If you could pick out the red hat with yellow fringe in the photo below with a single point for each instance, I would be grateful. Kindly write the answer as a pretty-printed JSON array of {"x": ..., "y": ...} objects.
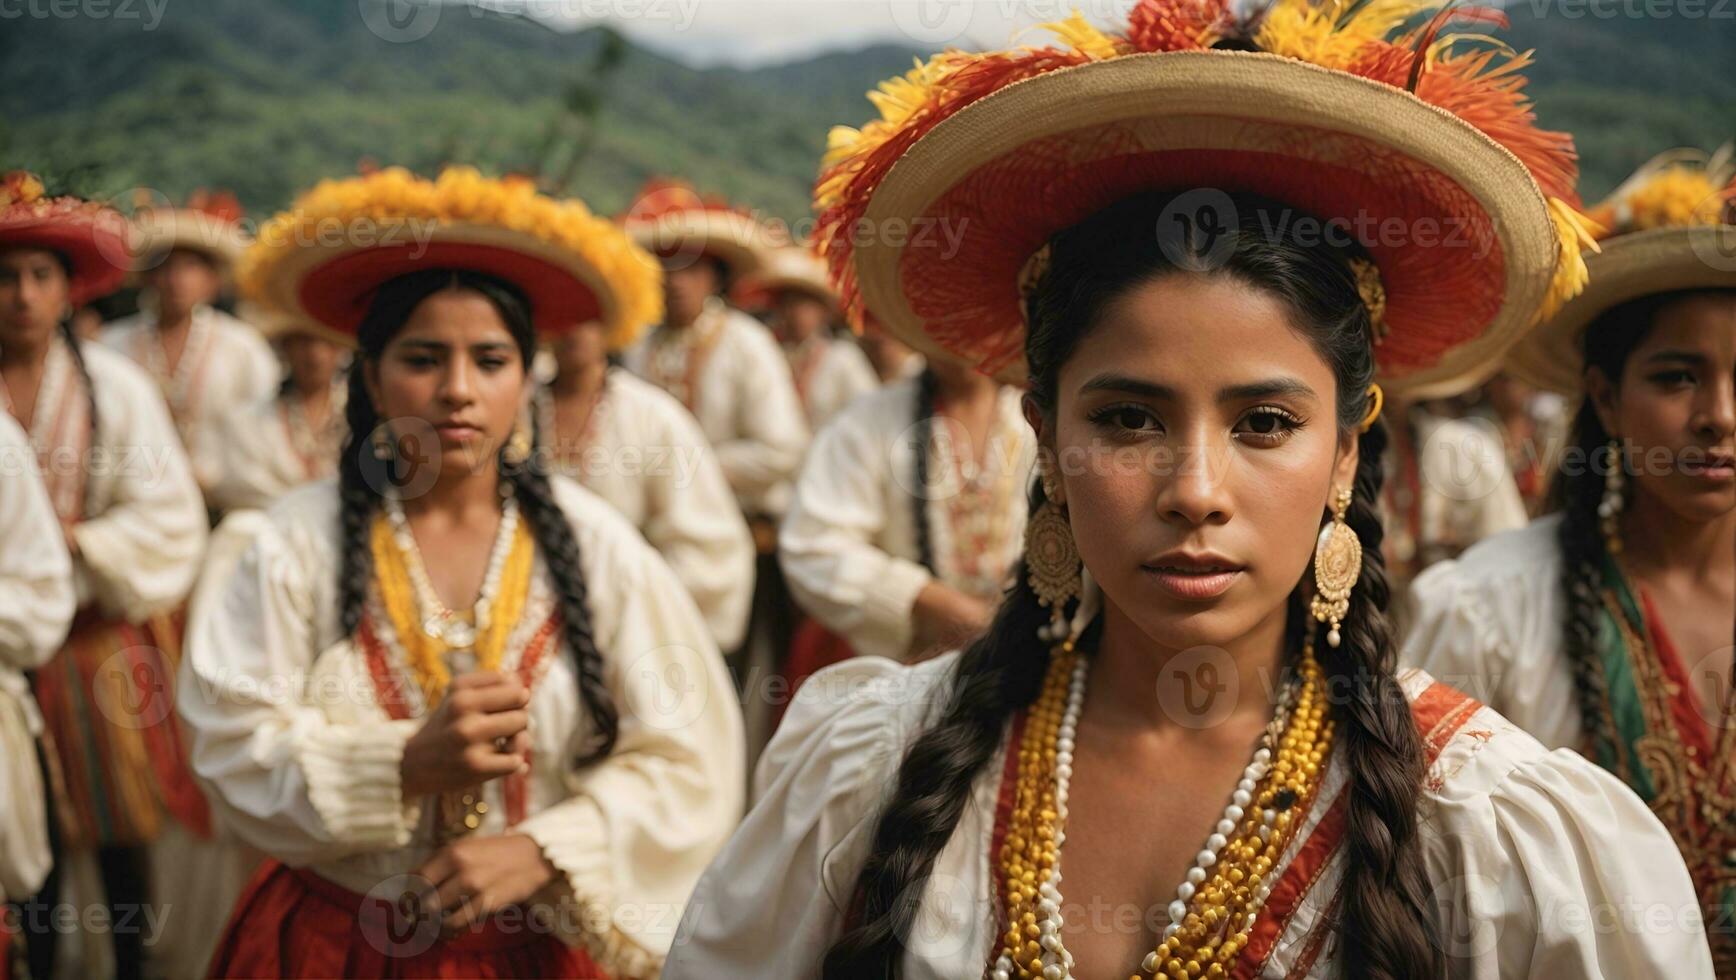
[
  {"x": 1670, "y": 226},
  {"x": 324, "y": 258},
  {"x": 1339, "y": 111},
  {"x": 91, "y": 236}
]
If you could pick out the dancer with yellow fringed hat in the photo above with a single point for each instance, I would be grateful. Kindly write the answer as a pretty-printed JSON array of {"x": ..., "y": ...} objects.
[
  {"x": 209, "y": 365},
  {"x": 1607, "y": 627},
  {"x": 510, "y": 745},
  {"x": 130, "y": 511},
  {"x": 634, "y": 445},
  {"x": 1205, "y": 246}
]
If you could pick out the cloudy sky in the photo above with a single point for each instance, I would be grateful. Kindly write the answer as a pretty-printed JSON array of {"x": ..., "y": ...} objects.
[{"x": 754, "y": 32}]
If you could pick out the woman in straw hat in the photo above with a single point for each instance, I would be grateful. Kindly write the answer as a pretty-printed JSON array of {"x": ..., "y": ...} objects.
[
  {"x": 635, "y": 446},
  {"x": 124, "y": 496},
  {"x": 829, "y": 370},
  {"x": 36, "y": 606},
  {"x": 209, "y": 365},
  {"x": 1607, "y": 627},
  {"x": 294, "y": 435},
  {"x": 437, "y": 690},
  {"x": 1200, "y": 354},
  {"x": 720, "y": 363}
]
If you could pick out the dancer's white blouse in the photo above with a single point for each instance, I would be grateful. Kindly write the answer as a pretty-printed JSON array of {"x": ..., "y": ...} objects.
[
  {"x": 643, "y": 453},
  {"x": 36, "y": 606},
  {"x": 303, "y": 762},
  {"x": 142, "y": 525},
  {"x": 226, "y": 367},
  {"x": 1491, "y": 624},
  {"x": 839, "y": 375},
  {"x": 848, "y": 544},
  {"x": 1541, "y": 864},
  {"x": 745, "y": 401},
  {"x": 260, "y": 460}
]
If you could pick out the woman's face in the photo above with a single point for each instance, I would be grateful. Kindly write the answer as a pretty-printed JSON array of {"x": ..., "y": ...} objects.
[
  {"x": 800, "y": 316},
  {"x": 313, "y": 360},
  {"x": 452, "y": 375},
  {"x": 581, "y": 348},
  {"x": 1197, "y": 444},
  {"x": 34, "y": 295},
  {"x": 1675, "y": 407}
]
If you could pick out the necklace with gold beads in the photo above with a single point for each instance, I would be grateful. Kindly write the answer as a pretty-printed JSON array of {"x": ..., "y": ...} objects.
[{"x": 1221, "y": 897}]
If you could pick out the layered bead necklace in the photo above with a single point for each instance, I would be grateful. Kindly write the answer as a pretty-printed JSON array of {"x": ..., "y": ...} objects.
[
  {"x": 425, "y": 626},
  {"x": 1221, "y": 897},
  {"x": 430, "y": 633},
  {"x": 678, "y": 356}
]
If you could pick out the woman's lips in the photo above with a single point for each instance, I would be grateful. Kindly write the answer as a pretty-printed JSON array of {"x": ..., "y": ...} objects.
[
  {"x": 457, "y": 433},
  {"x": 1192, "y": 583},
  {"x": 1717, "y": 468}
]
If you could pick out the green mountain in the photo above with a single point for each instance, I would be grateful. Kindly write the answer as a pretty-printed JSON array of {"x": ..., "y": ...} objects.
[{"x": 266, "y": 96}]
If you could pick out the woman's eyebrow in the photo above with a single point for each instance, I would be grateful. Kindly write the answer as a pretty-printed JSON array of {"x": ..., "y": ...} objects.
[{"x": 1242, "y": 392}]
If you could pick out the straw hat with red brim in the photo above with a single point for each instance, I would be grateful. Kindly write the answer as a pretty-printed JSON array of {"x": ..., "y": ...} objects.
[
  {"x": 673, "y": 220},
  {"x": 792, "y": 269},
  {"x": 157, "y": 232},
  {"x": 90, "y": 236},
  {"x": 1671, "y": 226},
  {"x": 994, "y": 153},
  {"x": 325, "y": 257}
]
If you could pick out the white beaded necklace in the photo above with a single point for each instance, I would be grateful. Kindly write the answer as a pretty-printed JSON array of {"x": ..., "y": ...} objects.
[
  {"x": 439, "y": 622},
  {"x": 1057, "y": 961}
]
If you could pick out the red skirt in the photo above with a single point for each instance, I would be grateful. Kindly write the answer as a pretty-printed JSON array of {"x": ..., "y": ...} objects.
[{"x": 293, "y": 923}]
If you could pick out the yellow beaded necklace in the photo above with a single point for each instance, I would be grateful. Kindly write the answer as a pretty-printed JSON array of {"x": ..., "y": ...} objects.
[
  {"x": 426, "y": 655},
  {"x": 1224, "y": 892}
]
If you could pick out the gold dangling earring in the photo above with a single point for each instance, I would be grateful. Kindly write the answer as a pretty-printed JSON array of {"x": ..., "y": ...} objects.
[
  {"x": 1337, "y": 565},
  {"x": 382, "y": 440},
  {"x": 518, "y": 444},
  {"x": 1052, "y": 561},
  {"x": 1610, "y": 507}
]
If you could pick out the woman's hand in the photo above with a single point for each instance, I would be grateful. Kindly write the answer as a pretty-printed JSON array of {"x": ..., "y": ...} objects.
[
  {"x": 946, "y": 618},
  {"x": 475, "y": 877},
  {"x": 476, "y": 734}
]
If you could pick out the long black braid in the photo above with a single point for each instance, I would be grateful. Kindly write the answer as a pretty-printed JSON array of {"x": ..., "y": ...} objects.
[
  {"x": 361, "y": 475},
  {"x": 75, "y": 346},
  {"x": 922, "y": 438},
  {"x": 1385, "y": 927}
]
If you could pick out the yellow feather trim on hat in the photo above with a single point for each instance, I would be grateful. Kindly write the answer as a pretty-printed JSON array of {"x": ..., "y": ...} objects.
[
  {"x": 1084, "y": 37},
  {"x": 1324, "y": 35},
  {"x": 462, "y": 195},
  {"x": 1577, "y": 234}
]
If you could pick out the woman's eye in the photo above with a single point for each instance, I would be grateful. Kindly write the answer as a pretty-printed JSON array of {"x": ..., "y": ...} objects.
[
  {"x": 1269, "y": 425},
  {"x": 1126, "y": 418},
  {"x": 492, "y": 363},
  {"x": 1673, "y": 379}
]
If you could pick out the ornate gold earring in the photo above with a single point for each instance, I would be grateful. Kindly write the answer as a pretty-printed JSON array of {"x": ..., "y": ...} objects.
[
  {"x": 1337, "y": 565},
  {"x": 518, "y": 444},
  {"x": 382, "y": 440},
  {"x": 1052, "y": 563}
]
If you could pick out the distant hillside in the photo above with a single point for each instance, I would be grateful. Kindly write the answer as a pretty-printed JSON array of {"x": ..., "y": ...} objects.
[{"x": 266, "y": 96}]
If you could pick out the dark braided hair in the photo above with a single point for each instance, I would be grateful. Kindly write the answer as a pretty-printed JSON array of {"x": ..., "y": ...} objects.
[
  {"x": 1385, "y": 926},
  {"x": 360, "y": 476},
  {"x": 1576, "y": 491},
  {"x": 922, "y": 435}
]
